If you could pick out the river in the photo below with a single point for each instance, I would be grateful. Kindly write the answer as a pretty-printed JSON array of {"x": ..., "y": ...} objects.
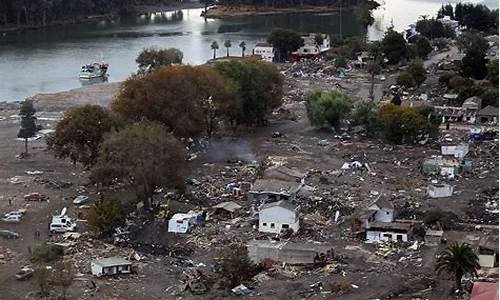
[{"x": 48, "y": 60}]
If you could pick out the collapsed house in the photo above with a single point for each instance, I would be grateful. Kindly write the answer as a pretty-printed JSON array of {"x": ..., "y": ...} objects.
[
  {"x": 277, "y": 216},
  {"x": 284, "y": 173},
  {"x": 488, "y": 252},
  {"x": 270, "y": 190},
  {"x": 488, "y": 115},
  {"x": 440, "y": 190},
  {"x": 224, "y": 210},
  {"x": 287, "y": 252},
  {"x": 433, "y": 237},
  {"x": 445, "y": 166},
  {"x": 110, "y": 266}
]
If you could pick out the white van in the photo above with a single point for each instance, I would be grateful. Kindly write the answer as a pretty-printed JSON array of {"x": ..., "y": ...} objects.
[{"x": 61, "y": 223}]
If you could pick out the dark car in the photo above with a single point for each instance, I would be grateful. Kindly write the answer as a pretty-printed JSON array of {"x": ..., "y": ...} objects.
[{"x": 25, "y": 273}]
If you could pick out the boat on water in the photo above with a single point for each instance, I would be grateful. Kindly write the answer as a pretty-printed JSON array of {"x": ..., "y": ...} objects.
[{"x": 95, "y": 70}]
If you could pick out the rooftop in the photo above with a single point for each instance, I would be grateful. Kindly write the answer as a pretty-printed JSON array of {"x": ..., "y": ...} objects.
[
  {"x": 488, "y": 111},
  {"x": 275, "y": 186},
  {"x": 382, "y": 203},
  {"x": 389, "y": 226},
  {"x": 229, "y": 206},
  {"x": 281, "y": 203},
  {"x": 112, "y": 261}
]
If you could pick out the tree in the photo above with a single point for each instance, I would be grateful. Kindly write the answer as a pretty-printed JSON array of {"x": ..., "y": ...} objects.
[
  {"x": 364, "y": 16},
  {"x": 236, "y": 264},
  {"x": 412, "y": 124},
  {"x": 177, "y": 97},
  {"x": 401, "y": 124},
  {"x": 459, "y": 260},
  {"x": 433, "y": 28},
  {"x": 284, "y": 41},
  {"x": 243, "y": 47},
  {"x": 446, "y": 10},
  {"x": 374, "y": 69},
  {"x": 227, "y": 44},
  {"x": 417, "y": 71},
  {"x": 458, "y": 83},
  {"x": 365, "y": 113},
  {"x": 63, "y": 276},
  {"x": 423, "y": 47},
  {"x": 493, "y": 71},
  {"x": 394, "y": 46},
  {"x": 405, "y": 79},
  {"x": 79, "y": 134},
  {"x": 474, "y": 61},
  {"x": 28, "y": 125},
  {"x": 41, "y": 275},
  {"x": 328, "y": 107},
  {"x": 105, "y": 215},
  {"x": 145, "y": 156},
  {"x": 376, "y": 51},
  {"x": 258, "y": 89},
  {"x": 214, "y": 47},
  {"x": 151, "y": 59}
]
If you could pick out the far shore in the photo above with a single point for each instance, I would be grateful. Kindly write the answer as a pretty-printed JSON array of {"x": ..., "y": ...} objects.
[
  {"x": 221, "y": 12},
  {"x": 140, "y": 10}
]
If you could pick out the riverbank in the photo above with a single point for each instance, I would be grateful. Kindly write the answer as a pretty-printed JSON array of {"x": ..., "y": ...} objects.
[
  {"x": 221, "y": 12},
  {"x": 138, "y": 10}
]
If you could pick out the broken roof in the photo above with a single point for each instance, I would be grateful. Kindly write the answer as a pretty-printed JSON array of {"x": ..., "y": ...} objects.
[
  {"x": 488, "y": 111},
  {"x": 280, "y": 171},
  {"x": 275, "y": 186},
  {"x": 389, "y": 226},
  {"x": 382, "y": 203},
  {"x": 229, "y": 206},
  {"x": 484, "y": 291},
  {"x": 112, "y": 261},
  {"x": 281, "y": 203}
]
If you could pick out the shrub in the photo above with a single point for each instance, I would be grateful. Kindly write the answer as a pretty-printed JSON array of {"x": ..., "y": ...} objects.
[
  {"x": 328, "y": 107},
  {"x": 46, "y": 253},
  {"x": 405, "y": 79},
  {"x": 105, "y": 215},
  {"x": 236, "y": 264},
  {"x": 435, "y": 217},
  {"x": 458, "y": 83}
]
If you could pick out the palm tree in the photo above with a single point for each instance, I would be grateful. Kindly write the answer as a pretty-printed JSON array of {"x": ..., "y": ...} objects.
[
  {"x": 373, "y": 68},
  {"x": 227, "y": 44},
  {"x": 243, "y": 47},
  {"x": 214, "y": 47},
  {"x": 459, "y": 259}
]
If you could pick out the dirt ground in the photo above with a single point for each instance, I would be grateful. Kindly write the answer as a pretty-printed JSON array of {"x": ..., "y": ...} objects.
[{"x": 401, "y": 274}]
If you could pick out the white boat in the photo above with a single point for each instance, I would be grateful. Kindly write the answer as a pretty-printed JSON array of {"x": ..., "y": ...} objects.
[{"x": 95, "y": 70}]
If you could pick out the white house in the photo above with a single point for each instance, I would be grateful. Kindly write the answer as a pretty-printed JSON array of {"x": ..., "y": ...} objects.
[
  {"x": 311, "y": 48},
  {"x": 265, "y": 50},
  {"x": 440, "y": 190},
  {"x": 110, "y": 266},
  {"x": 277, "y": 216},
  {"x": 180, "y": 223},
  {"x": 488, "y": 252},
  {"x": 384, "y": 210},
  {"x": 387, "y": 231},
  {"x": 457, "y": 150}
]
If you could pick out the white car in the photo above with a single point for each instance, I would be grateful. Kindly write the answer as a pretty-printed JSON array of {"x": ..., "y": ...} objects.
[
  {"x": 12, "y": 219},
  {"x": 81, "y": 199},
  {"x": 13, "y": 213}
]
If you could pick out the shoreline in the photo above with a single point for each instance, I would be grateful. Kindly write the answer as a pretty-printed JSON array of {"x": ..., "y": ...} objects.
[
  {"x": 222, "y": 12},
  {"x": 140, "y": 10}
]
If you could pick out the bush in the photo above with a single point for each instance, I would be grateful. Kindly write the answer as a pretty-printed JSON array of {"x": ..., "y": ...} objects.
[
  {"x": 435, "y": 217},
  {"x": 365, "y": 113},
  {"x": 445, "y": 77},
  {"x": 417, "y": 71},
  {"x": 423, "y": 47},
  {"x": 46, "y": 253},
  {"x": 405, "y": 79},
  {"x": 105, "y": 215},
  {"x": 328, "y": 107},
  {"x": 458, "y": 83},
  {"x": 236, "y": 265}
]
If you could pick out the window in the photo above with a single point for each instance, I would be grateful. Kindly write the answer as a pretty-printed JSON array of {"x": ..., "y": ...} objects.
[
  {"x": 399, "y": 237},
  {"x": 386, "y": 212},
  {"x": 285, "y": 226},
  {"x": 272, "y": 225},
  {"x": 387, "y": 236},
  {"x": 264, "y": 224}
]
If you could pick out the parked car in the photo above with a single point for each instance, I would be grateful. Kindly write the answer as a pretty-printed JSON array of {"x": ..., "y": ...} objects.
[
  {"x": 25, "y": 273},
  {"x": 35, "y": 197},
  {"x": 81, "y": 199},
  {"x": 7, "y": 234},
  {"x": 12, "y": 219},
  {"x": 13, "y": 213}
]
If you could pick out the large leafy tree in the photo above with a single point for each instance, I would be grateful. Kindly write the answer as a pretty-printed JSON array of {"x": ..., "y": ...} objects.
[
  {"x": 151, "y": 59},
  {"x": 401, "y": 124},
  {"x": 417, "y": 71},
  {"x": 143, "y": 155},
  {"x": 475, "y": 48},
  {"x": 365, "y": 113},
  {"x": 79, "y": 135},
  {"x": 28, "y": 122},
  {"x": 423, "y": 47},
  {"x": 328, "y": 107},
  {"x": 105, "y": 215},
  {"x": 394, "y": 46},
  {"x": 284, "y": 41},
  {"x": 188, "y": 100},
  {"x": 259, "y": 89},
  {"x": 459, "y": 260}
]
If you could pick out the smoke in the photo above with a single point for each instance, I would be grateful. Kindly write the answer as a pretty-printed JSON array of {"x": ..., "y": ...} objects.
[{"x": 223, "y": 150}]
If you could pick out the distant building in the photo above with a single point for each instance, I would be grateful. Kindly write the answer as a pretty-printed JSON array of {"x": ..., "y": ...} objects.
[
  {"x": 311, "y": 49},
  {"x": 488, "y": 115},
  {"x": 433, "y": 237},
  {"x": 384, "y": 210},
  {"x": 445, "y": 166},
  {"x": 472, "y": 105},
  {"x": 277, "y": 216},
  {"x": 286, "y": 252},
  {"x": 488, "y": 252},
  {"x": 456, "y": 150},
  {"x": 110, "y": 266},
  {"x": 387, "y": 231},
  {"x": 264, "y": 50},
  {"x": 270, "y": 190},
  {"x": 439, "y": 190}
]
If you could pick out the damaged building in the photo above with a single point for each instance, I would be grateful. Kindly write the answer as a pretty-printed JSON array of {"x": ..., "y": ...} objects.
[
  {"x": 270, "y": 190},
  {"x": 287, "y": 252},
  {"x": 277, "y": 216}
]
